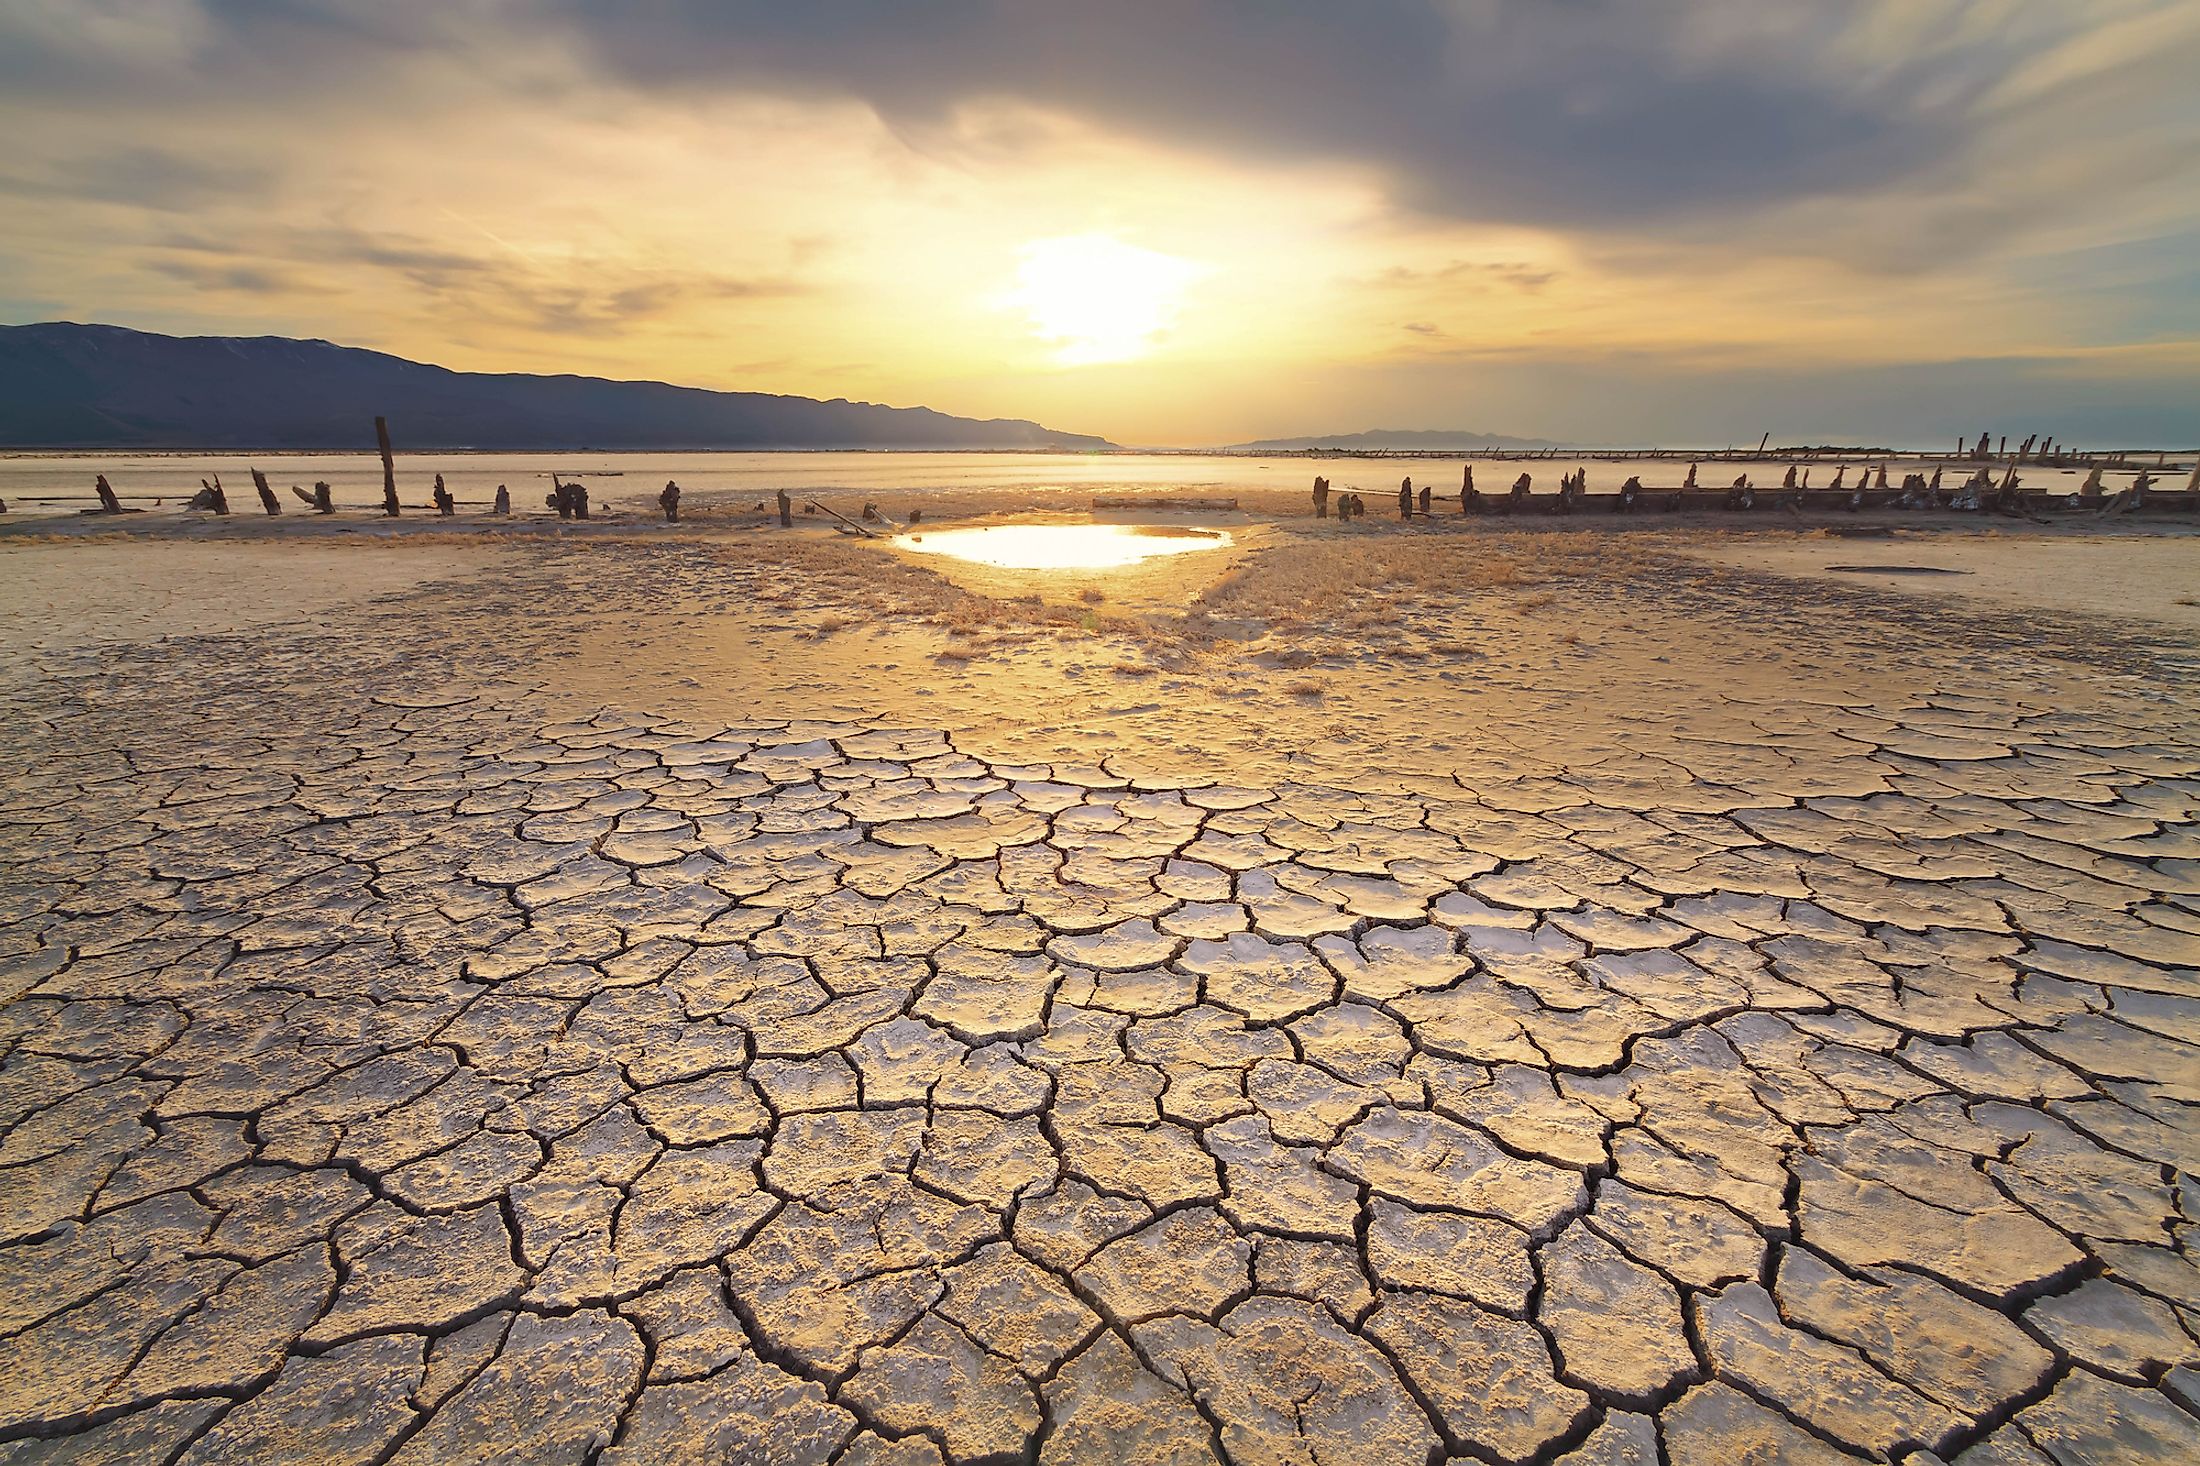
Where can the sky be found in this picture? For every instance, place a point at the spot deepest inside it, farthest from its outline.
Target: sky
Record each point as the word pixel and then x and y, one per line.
pixel 1180 222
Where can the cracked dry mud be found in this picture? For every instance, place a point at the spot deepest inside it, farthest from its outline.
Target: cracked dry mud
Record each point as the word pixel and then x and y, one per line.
pixel 396 1068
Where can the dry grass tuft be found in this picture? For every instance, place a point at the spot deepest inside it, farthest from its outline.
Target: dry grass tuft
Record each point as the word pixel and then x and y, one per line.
pixel 1304 687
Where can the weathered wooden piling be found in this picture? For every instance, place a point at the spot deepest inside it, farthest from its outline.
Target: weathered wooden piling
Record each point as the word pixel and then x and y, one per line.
pixel 268 501
pixel 389 467
pixel 108 503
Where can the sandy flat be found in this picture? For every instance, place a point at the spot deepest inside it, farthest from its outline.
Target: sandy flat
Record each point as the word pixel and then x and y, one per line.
pixel 2155 576
pixel 67 594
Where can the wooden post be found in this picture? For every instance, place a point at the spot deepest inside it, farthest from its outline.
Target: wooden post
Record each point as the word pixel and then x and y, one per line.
pixel 268 500
pixel 389 467
pixel 108 503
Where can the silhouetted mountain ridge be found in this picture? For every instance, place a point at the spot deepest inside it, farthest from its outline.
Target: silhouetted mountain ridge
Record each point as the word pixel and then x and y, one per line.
pixel 1378 440
pixel 64 385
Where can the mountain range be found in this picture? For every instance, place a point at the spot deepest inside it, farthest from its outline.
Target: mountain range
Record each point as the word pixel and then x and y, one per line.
pixel 1382 440
pixel 64 385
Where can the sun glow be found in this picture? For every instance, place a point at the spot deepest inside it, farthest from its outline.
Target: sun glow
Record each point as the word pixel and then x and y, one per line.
pixel 1096 299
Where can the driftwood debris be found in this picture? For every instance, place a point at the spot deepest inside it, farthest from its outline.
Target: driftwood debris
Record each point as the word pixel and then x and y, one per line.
pixel 814 507
pixel 445 503
pixel 268 501
pixel 669 501
pixel 389 467
pixel 1132 501
pixel 1992 488
pixel 569 499
pixel 108 503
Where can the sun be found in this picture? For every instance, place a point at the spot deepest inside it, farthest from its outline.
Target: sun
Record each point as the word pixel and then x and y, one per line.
pixel 1096 299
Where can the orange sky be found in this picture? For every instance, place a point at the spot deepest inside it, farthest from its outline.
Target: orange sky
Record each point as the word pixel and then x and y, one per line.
pixel 1171 224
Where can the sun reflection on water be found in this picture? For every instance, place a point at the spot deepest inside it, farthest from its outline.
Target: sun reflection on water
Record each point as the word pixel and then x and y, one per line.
pixel 1062 546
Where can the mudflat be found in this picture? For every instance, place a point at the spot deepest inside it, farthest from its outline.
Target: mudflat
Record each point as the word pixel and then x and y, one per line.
pixel 1388 993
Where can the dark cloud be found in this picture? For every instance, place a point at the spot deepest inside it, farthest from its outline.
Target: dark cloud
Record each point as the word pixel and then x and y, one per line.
pixel 1471 275
pixel 497 283
pixel 1559 112
pixel 1555 110
pixel 142 177
pixel 231 276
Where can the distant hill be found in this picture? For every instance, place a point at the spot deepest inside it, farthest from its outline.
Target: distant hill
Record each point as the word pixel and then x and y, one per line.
pixel 69 386
pixel 1390 440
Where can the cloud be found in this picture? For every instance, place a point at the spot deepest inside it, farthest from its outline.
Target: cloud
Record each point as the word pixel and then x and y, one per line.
pixel 233 277
pixel 832 187
pixel 1687 116
pixel 1470 276
pixel 141 176
pixel 1511 109
pixel 1546 111
pixel 565 297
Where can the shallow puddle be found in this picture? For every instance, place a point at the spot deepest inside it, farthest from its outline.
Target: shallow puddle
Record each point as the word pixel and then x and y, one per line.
pixel 1062 546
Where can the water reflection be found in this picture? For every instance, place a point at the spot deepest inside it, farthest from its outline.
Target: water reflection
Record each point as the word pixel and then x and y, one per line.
pixel 1062 546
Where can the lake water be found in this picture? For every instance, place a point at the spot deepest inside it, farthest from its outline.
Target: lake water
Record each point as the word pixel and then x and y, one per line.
pixel 1061 546
pixel 632 480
